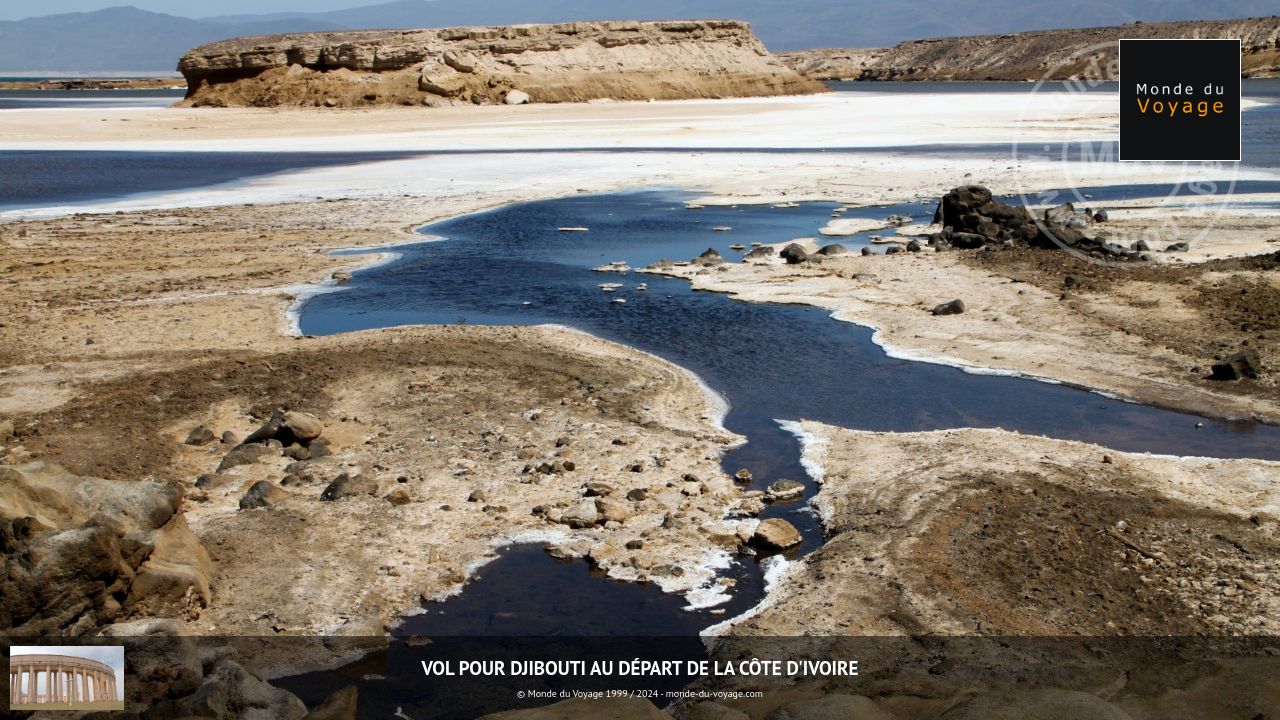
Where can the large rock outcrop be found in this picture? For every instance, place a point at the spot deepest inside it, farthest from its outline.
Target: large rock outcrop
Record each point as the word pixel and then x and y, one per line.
pixel 568 62
pixel 1056 54
pixel 79 552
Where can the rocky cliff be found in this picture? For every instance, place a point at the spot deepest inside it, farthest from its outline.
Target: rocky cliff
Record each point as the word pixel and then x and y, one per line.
pixel 1057 54
pixel 569 62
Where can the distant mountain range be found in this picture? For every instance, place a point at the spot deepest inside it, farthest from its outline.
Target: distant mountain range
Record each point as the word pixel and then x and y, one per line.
pixel 129 39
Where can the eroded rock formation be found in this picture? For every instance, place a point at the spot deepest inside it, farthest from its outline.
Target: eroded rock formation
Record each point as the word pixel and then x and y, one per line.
pixel 81 552
pixel 568 62
pixel 1047 54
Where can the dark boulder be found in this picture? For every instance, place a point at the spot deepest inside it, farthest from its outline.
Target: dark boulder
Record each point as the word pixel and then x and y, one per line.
pixel 955 307
pixel 914 246
pixel 1244 364
pixel 1178 247
pixel 833 249
pixel 794 254
pixel 967 240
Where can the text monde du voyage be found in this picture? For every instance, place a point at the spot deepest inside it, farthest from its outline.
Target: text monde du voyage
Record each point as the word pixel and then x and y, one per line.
pixel 1180 99
pixel 638 668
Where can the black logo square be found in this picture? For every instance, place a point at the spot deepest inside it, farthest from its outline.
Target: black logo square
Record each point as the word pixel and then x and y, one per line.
pixel 1180 99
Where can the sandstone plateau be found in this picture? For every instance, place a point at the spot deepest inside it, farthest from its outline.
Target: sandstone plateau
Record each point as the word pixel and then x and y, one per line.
pixel 1047 54
pixel 568 62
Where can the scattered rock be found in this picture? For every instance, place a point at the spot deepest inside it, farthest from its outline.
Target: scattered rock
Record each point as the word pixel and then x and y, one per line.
pixel 304 426
pixel 1245 364
pixel 1101 216
pixel 398 497
pixel 597 489
pixel 269 430
pixel 1178 247
pixel 742 476
pixel 955 307
pixel 760 253
pixel 262 494
pixel 247 455
pixel 319 448
pixel 230 438
pixel 914 246
pixel 786 490
pixel 794 254
pixel 833 249
pixel 893 250
pixel 583 515
pixel 611 510
pixel 516 97
pixel 346 486
pixel 867 251
pixel 637 494
pixel 776 534
pixel 200 435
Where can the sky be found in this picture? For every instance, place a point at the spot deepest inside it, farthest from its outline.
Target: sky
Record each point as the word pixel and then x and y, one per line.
pixel 112 655
pixel 18 9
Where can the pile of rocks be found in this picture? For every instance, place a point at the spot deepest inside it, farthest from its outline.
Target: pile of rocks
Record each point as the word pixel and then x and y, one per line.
pixel 971 218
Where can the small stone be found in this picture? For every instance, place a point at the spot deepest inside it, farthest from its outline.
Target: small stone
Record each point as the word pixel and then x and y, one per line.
pixel 637 494
pixel 516 97
pixel 262 494
pixel 347 486
pixel 246 455
pixel 304 426
pixel 611 510
pixel 478 496
pixel 743 476
pixel 583 515
pixel 597 489
pixel 200 435
pixel 955 307
pixel 635 544
pixel 776 534
pixel 786 490
pixel 230 438
pixel 399 496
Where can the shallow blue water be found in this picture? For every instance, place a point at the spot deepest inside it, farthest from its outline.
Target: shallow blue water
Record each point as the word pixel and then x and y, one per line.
pixel 48 99
pixel 46 178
